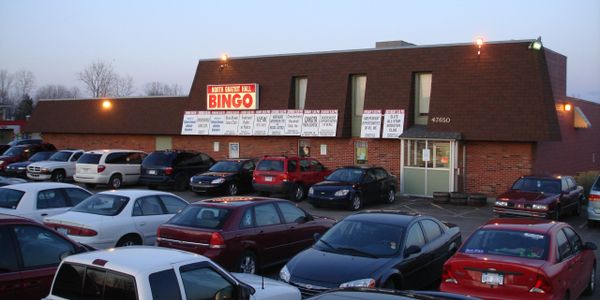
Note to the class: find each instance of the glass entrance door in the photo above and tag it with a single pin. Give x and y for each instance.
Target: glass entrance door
(427, 166)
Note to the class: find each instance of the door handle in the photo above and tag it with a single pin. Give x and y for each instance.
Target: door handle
(44, 215)
(31, 284)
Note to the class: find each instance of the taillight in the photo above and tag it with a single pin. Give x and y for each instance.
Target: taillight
(594, 198)
(447, 275)
(101, 168)
(168, 171)
(542, 285)
(216, 241)
(284, 177)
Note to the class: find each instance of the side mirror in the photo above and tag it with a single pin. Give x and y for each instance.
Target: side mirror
(316, 236)
(411, 250)
(590, 246)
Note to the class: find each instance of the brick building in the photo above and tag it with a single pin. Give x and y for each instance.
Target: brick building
(473, 118)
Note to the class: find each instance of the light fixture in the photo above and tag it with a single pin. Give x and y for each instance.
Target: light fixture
(224, 61)
(568, 106)
(106, 104)
(537, 44)
(479, 43)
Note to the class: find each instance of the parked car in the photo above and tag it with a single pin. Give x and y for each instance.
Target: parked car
(25, 142)
(351, 187)
(129, 274)
(22, 153)
(229, 176)
(19, 169)
(522, 259)
(173, 168)
(29, 256)
(383, 249)
(36, 200)
(243, 234)
(113, 167)
(541, 197)
(4, 147)
(288, 175)
(10, 180)
(593, 207)
(60, 166)
(361, 293)
(117, 218)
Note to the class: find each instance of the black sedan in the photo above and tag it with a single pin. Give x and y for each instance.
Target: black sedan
(229, 176)
(351, 187)
(19, 169)
(386, 294)
(382, 249)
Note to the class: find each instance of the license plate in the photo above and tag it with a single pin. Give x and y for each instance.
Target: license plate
(492, 278)
(64, 231)
(152, 172)
(268, 178)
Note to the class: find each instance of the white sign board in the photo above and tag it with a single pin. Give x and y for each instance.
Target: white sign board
(189, 123)
(261, 122)
(328, 122)
(293, 122)
(217, 123)
(371, 124)
(246, 125)
(426, 155)
(393, 123)
(310, 123)
(277, 122)
(232, 119)
(202, 122)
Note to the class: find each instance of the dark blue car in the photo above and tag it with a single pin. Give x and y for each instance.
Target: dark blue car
(19, 169)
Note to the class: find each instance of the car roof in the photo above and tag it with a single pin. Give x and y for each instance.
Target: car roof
(236, 159)
(35, 186)
(7, 218)
(235, 201)
(393, 217)
(135, 193)
(542, 177)
(101, 151)
(136, 260)
(521, 224)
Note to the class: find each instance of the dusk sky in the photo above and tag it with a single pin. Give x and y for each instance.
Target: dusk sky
(163, 40)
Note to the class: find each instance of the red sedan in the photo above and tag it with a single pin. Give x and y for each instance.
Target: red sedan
(522, 259)
(243, 234)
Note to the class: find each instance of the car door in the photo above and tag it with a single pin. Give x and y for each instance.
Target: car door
(370, 186)
(70, 167)
(414, 266)
(306, 175)
(566, 263)
(436, 248)
(579, 263)
(147, 214)
(299, 229)
(270, 233)
(10, 278)
(318, 171)
(132, 167)
(50, 202)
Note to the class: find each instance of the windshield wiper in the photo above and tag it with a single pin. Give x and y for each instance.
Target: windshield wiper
(359, 252)
(327, 244)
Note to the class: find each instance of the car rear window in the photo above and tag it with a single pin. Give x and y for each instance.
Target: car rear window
(270, 165)
(159, 159)
(102, 204)
(10, 198)
(201, 217)
(164, 285)
(508, 243)
(89, 158)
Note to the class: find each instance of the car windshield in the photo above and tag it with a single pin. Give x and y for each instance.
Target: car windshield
(226, 166)
(270, 165)
(362, 238)
(201, 216)
(346, 175)
(159, 159)
(41, 156)
(507, 243)
(60, 156)
(10, 198)
(13, 151)
(89, 158)
(102, 204)
(550, 186)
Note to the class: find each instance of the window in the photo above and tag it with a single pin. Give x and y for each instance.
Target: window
(76, 195)
(249, 166)
(102, 204)
(360, 152)
(201, 217)
(415, 237)
(304, 165)
(266, 214)
(291, 166)
(76, 156)
(248, 218)
(119, 287)
(164, 285)
(68, 281)
(172, 204)
(432, 229)
(205, 283)
(574, 240)
(316, 166)
(51, 199)
(116, 158)
(149, 206)
(291, 214)
(358, 89)
(93, 284)
(90, 158)
(303, 148)
(135, 158)
(300, 84)
(40, 247)
(8, 261)
(10, 198)
(380, 174)
(564, 249)
(422, 96)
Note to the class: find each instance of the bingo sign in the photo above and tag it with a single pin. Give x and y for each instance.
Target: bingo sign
(232, 96)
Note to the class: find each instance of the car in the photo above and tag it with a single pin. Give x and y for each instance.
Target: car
(231, 176)
(243, 234)
(522, 259)
(3, 148)
(540, 197)
(288, 175)
(117, 218)
(353, 186)
(22, 153)
(376, 249)
(29, 257)
(113, 167)
(19, 169)
(59, 167)
(361, 293)
(173, 168)
(36, 200)
(4, 181)
(593, 207)
(25, 142)
(128, 274)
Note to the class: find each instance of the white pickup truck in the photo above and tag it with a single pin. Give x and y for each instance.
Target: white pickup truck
(59, 166)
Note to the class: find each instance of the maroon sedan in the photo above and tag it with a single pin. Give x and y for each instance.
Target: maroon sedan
(522, 259)
(243, 234)
(29, 255)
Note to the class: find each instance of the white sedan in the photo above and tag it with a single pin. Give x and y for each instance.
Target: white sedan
(36, 200)
(118, 218)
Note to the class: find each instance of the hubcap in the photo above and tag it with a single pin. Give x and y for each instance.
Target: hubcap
(356, 203)
(391, 196)
(116, 183)
(128, 243)
(59, 177)
(593, 279)
(248, 265)
(298, 193)
(233, 190)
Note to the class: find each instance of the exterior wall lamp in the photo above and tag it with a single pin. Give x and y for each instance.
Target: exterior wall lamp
(479, 43)
(106, 104)
(567, 107)
(224, 61)
(537, 44)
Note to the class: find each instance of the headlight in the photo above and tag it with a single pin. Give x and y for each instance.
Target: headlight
(1, 162)
(192, 179)
(367, 282)
(21, 168)
(284, 274)
(45, 170)
(342, 193)
(501, 203)
(311, 191)
(540, 206)
(218, 180)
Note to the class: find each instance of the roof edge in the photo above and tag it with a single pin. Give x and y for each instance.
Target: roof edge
(113, 98)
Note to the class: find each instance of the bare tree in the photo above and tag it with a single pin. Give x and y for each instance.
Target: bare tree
(6, 81)
(98, 78)
(122, 86)
(56, 91)
(24, 81)
(156, 88)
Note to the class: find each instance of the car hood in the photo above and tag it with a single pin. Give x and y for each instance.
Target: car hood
(20, 164)
(525, 196)
(8, 158)
(267, 288)
(328, 184)
(332, 269)
(51, 164)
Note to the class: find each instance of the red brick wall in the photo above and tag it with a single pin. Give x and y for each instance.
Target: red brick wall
(492, 167)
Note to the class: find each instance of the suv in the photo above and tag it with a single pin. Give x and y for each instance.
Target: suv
(57, 168)
(112, 167)
(288, 175)
(22, 153)
(173, 168)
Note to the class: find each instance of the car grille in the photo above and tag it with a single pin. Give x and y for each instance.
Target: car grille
(34, 169)
(324, 193)
(308, 290)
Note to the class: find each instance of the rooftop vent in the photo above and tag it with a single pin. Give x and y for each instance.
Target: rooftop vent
(393, 44)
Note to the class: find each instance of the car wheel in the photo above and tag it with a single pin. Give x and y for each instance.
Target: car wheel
(297, 192)
(129, 240)
(115, 182)
(58, 176)
(592, 284)
(181, 183)
(232, 189)
(247, 263)
(90, 185)
(391, 196)
(355, 203)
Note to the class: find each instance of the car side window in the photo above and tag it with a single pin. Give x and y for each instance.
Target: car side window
(53, 198)
(266, 214)
(574, 240)
(316, 166)
(69, 279)
(291, 166)
(183, 159)
(172, 204)
(164, 285)
(304, 165)
(134, 158)
(380, 174)
(8, 256)
(76, 195)
(369, 176)
(206, 160)
(572, 183)
(564, 184)
(564, 248)
(291, 214)
(205, 283)
(149, 206)
(414, 237)
(116, 158)
(432, 229)
(76, 156)
(248, 166)
(40, 246)
(248, 218)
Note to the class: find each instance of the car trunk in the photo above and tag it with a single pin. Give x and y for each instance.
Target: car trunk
(185, 238)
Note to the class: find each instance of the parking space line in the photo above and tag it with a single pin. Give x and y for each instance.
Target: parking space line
(412, 209)
(583, 225)
(466, 212)
(442, 208)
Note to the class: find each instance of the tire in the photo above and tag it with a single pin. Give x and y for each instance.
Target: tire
(391, 196)
(355, 203)
(232, 189)
(115, 182)
(90, 185)
(58, 176)
(129, 240)
(297, 192)
(556, 213)
(591, 287)
(181, 183)
(247, 263)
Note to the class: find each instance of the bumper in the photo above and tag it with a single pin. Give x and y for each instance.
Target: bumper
(91, 179)
(330, 201)
(15, 173)
(39, 176)
(93, 242)
(155, 180)
(494, 293)
(521, 212)
(593, 212)
(203, 188)
(283, 188)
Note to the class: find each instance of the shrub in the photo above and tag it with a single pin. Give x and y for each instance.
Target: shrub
(586, 179)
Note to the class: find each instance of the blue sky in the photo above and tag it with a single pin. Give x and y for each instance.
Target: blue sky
(163, 40)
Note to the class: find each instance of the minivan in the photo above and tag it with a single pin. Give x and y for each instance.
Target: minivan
(113, 167)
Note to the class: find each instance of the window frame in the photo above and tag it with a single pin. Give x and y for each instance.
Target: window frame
(421, 118)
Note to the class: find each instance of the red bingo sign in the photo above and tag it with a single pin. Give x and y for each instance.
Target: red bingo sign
(232, 96)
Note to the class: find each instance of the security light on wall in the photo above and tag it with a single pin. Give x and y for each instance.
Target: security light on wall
(567, 107)
(537, 44)
(224, 61)
(479, 43)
